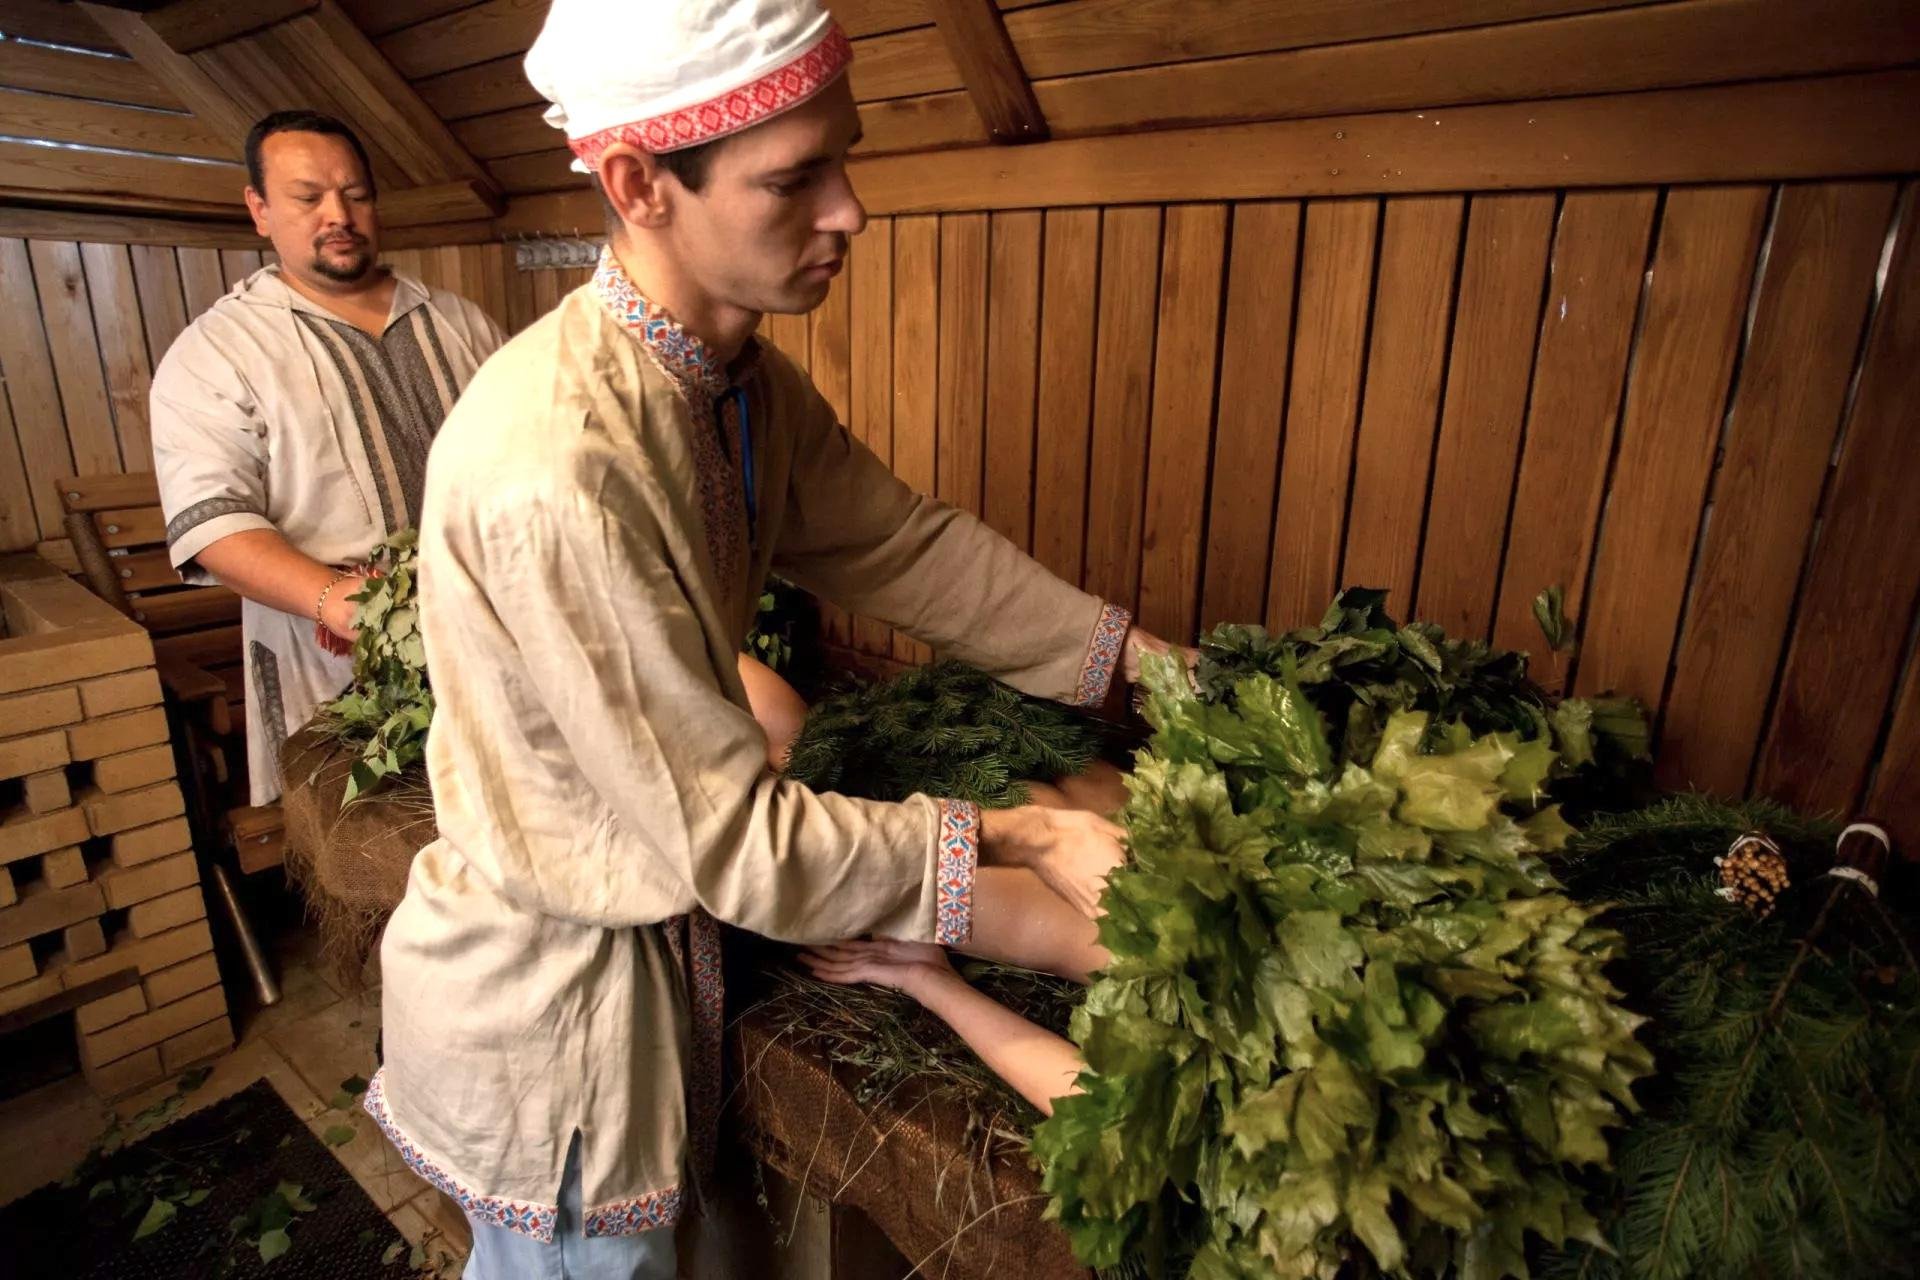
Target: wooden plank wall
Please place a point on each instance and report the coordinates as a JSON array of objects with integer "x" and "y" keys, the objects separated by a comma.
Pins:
[
  {"x": 1683, "y": 405},
  {"x": 83, "y": 325}
]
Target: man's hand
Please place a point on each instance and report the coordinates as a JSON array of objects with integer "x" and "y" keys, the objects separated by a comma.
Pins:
[
  {"x": 1140, "y": 643},
  {"x": 1072, "y": 851},
  {"x": 337, "y": 614}
]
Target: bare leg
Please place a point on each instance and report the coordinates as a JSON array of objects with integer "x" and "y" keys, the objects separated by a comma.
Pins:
[
  {"x": 779, "y": 709},
  {"x": 1018, "y": 920},
  {"x": 1099, "y": 788}
]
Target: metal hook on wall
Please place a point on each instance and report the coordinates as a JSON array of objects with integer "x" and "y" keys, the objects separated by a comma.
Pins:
[{"x": 543, "y": 252}]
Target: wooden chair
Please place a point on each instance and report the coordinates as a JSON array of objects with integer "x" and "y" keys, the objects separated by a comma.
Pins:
[{"x": 119, "y": 539}]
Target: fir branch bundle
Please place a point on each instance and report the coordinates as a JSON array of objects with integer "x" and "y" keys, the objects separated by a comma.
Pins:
[
  {"x": 946, "y": 730},
  {"x": 1784, "y": 1135}
]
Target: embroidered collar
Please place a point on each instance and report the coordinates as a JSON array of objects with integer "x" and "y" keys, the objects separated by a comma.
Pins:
[{"x": 688, "y": 360}]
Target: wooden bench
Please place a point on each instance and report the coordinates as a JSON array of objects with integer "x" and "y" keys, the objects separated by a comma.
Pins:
[{"x": 119, "y": 537}]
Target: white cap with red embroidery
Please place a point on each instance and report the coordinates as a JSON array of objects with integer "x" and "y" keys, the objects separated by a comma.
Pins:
[{"x": 661, "y": 75}]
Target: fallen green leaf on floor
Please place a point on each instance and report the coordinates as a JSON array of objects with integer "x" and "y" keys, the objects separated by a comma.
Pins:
[
  {"x": 295, "y": 1196},
  {"x": 355, "y": 1085},
  {"x": 392, "y": 1253},
  {"x": 274, "y": 1243},
  {"x": 338, "y": 1136},
  {"x": 159, "y": 1214}
]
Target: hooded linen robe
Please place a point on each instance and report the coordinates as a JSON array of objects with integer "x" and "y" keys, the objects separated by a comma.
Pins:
[
  {"x": 588, "y": 573},
  {"x": 270, "y": 412}
]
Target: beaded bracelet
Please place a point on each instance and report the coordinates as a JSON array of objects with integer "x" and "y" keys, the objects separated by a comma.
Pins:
[{"x": 320, "y": 605}]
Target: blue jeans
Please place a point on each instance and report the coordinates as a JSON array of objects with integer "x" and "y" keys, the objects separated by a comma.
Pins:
[{"x": 500, "y": 1254}]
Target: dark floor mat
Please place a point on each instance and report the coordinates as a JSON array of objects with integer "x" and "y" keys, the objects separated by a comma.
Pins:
[{"x": 236, "y": 1151}]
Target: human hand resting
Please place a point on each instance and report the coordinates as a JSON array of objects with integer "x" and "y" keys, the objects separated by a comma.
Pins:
[
  {"x": 1140, "y": 643},
  {"x": 1072, "y": 851},
  {"x": 905, "y": 966}
]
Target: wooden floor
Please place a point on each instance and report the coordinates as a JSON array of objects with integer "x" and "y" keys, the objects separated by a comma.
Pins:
[{"x": 305, "y": 1046}]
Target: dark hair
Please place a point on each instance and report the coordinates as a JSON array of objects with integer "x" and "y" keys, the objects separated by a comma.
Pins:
[
  {"x": 689, "y": 164},
  {"x": 299, "y": 122}
]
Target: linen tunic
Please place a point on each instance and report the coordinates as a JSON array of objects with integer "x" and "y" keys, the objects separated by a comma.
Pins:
[
  {"x": 270, "y": 412},
  {"x": 588, "y": 573}
]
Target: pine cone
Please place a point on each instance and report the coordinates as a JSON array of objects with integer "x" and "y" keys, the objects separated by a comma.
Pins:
[{"x": 1752, "y": 873}]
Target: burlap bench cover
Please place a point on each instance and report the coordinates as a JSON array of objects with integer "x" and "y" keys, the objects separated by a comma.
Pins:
[
  {"x": 352, "y": 866},
  {"x": 908, "y": 1160}
]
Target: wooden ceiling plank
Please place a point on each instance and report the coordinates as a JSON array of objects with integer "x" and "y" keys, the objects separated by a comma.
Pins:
[
  {"x": 447, "y": 202},
  {"x": 1653, "y": 47},
  {"x": 1105, "y": 35},
  {"x": 539, "y": 171},
  {"x": 901, "y": 65},
  {"x": 55, "y": 23},
  {"x": 261, "y": 70},
  {"x": 990, "y": 69},
  {"x": 931, "y": 122},
  {"x": 479, "y": 90},
  {"x": 1836, "y": 126},
  {"x": 380, "y": 17},
  {"x": 188, "y": 26},
  {"x": 65, "y": 172},
  {"x": 106, "y": 124},
  {"x": 380, "y": 99},
  {"x": 494, "y": 29},
  {"x": 82, "y": 75},
  {"x": 514, "y": 132},
  {"x": 216, "y": 105}
]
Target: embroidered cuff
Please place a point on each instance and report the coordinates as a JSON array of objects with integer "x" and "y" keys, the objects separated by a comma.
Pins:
[
  {"x": 959, "y": 857},
  {"x": 518, "y": 1216},
  {"x": 202, "y": 525},
  {"x": 1103, "y": 655}
]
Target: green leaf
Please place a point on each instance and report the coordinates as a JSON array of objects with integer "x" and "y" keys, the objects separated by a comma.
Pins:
[
  {"x": 393, "y": 1251},
  {"x": 295, "y": 1196},
  {"x": 1550, "y": 612},
  {"x": 197, "y": 1196},
  {"x": 274, "y": 1243},
  {"x": 338, "y": 1135},
  {"x": 159, "y": 1214}
]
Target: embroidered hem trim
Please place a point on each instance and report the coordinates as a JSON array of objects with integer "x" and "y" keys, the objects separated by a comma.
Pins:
[
  {"x": 630, "y": 1217},
  {"x": 959, "y": 859},
  {"x": 1103, "y": 655},
  {"x": 519, "y": 1216},
  {"x": 781, "y": 89}
]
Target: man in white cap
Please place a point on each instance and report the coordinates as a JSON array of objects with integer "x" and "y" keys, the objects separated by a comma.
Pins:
[{"x": 601, "y": 508}]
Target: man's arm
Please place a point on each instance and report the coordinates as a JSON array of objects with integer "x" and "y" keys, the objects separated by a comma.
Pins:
[
  {"x": 263, "y": 566},
  {"x": 210, "y": 457},
  {"x": 856, "y": 535}
]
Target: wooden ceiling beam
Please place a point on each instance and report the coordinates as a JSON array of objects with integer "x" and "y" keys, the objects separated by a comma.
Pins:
[
  {"x": 990, "y": 69},
  {"x": 188, "y": 26},
  {"x": 461, "y": 201},
  {"x": 225, "y": 109},
  {"x": 379, "y": 99},
  {"x": 1776, "y": 130}
]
